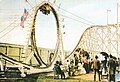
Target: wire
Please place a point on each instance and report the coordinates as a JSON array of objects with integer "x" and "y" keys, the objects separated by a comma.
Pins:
[
  {"x": 74, "y": 14},
  {"x": 75, "y": 20},
  {"x": 13, "y": 23},
  {"x": 8, "y": 26},
  {"x": 8, "y": 32},
  {"x": 69, "y": 13},
  {"x": 28, "y": 3}
]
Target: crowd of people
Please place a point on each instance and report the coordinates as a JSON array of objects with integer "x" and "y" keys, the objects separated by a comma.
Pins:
[{"x": 95, "y": 65}]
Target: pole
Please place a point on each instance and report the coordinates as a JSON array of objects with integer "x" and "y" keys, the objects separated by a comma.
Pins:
[
  {"x": 117, "y": 31},
  {"x": 107, "y": 15},
  {"x": 109, "y": 33},
  {"x": 117, "y": 14}
]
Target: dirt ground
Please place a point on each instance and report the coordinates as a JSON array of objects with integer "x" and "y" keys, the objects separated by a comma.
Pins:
[
  {"x": 85, "y": 77},
  {"x": 89, "y": 77}
]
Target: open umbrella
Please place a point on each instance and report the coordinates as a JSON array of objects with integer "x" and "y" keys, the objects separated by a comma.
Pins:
[{"x": 104, "y": 54}]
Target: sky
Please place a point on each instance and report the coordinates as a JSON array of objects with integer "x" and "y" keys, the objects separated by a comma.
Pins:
[{"x": 77, "y": 15}]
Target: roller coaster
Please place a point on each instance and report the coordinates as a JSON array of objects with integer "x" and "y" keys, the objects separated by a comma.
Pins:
[{"x": 95, "y": 39}]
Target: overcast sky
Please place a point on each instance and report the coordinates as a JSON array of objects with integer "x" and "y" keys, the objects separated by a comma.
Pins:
[{"x": 77, "y": 14}]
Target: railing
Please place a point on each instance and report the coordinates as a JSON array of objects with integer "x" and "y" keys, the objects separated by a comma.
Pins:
[{"x": 15, "y": 51}]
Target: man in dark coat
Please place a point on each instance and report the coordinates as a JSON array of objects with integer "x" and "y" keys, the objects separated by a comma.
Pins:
[
  {"x": 112, "y": 69},
  {"x": 58, "y": 70}
]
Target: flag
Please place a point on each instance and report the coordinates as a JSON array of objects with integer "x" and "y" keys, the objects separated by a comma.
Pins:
[{"x": 23, "y": 18}]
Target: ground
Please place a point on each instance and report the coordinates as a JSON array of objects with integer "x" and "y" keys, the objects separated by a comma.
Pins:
[{"x": 78, "y": 78}]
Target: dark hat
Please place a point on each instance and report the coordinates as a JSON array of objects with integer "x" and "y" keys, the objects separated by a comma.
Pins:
[
  {"x": 111, "y": 56},
  {"x": 96, "y": 57},
  {"x": 57, "y": 62}
]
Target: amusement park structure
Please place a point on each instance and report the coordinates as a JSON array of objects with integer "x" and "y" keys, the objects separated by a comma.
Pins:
[
  {"x": 45, "y": 8},
  {"x": 99, "y": 38},
  {"x": 95, "y": 39}
]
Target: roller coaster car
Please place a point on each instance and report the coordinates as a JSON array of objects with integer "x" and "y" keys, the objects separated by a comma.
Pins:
[{"x": 45, "y": 9}]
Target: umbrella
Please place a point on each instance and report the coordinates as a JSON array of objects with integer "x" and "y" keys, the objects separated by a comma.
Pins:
[{"x": 104, "y": 54}]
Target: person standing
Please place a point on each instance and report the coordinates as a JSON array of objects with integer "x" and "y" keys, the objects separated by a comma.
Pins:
[
  {"x": 112, "y": 69},
  {"x": 104, "y": 62},
  {"x": 76, "y": 60},
  {"x": 96, "y": 66},
  {"x": 58, "y": 70},
  {"x": 72, "y": 67},
  {"x": 67, "y": 65},
  {"x": 86, "y": 65},
  {"x": 118, "y": 64}
]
